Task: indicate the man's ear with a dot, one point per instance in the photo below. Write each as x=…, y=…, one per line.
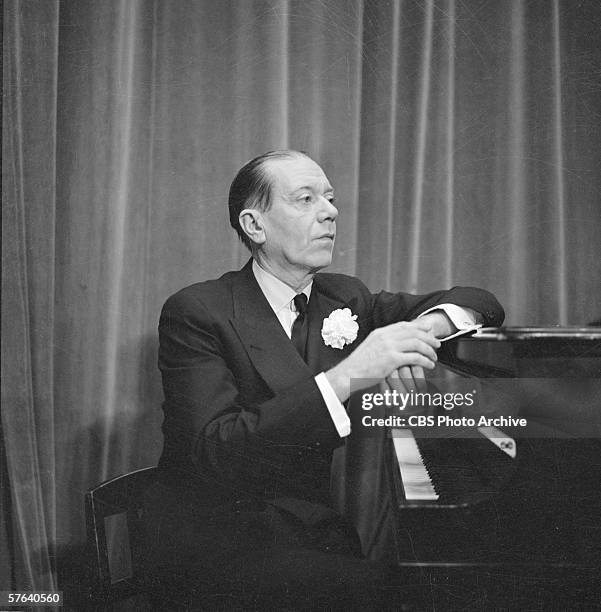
x=251, y=222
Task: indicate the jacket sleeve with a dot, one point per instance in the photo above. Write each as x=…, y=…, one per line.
x=387, y=308
x=218, y=422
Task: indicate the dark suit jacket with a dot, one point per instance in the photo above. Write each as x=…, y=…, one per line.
x=244, y=418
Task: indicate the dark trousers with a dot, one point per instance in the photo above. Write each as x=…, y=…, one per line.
x=254, y=556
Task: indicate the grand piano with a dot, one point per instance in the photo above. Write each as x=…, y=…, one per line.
x=507, y=517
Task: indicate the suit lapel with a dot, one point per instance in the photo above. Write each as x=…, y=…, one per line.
x=266, y=343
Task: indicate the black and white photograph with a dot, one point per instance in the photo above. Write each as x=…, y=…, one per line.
x=301, y=305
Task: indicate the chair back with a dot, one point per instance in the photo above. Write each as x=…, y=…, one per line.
x=115, y=533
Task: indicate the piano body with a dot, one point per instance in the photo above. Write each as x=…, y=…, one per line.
x=515, y=525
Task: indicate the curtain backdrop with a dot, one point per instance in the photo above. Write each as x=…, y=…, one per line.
x=463, y=138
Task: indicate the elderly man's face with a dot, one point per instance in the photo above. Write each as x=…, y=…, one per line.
x=300, y=226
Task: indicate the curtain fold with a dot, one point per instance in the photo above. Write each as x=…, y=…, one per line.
x=28, y=285
x=463, y=140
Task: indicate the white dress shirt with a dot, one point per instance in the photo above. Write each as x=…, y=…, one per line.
x=281, y=299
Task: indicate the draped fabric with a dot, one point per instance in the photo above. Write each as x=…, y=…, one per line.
x=30, y=416
x=463, y=138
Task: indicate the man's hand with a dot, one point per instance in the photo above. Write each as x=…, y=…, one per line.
x=440, y=324
x=406, y=344
x=407, y=378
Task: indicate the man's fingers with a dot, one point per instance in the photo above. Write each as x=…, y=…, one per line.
x=415, y=345
x=412, y=377
x=415, y=359
x=395, y=383
x=399, y=332
x=404, y=373
x=419, y=378
x=400, y=345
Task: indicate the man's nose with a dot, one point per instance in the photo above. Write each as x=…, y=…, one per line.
x=327, y=211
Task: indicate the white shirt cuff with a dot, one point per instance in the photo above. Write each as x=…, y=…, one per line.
x=337, y=412
x=464, y=319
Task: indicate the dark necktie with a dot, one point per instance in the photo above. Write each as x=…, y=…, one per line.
x=300, y=327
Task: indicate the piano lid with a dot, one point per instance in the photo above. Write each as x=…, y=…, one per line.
x=526, y=352
x=516, y=334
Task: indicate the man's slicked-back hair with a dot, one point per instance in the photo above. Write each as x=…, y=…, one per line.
x=252, y=186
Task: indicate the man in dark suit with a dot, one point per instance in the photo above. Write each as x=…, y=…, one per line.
x=255, y=385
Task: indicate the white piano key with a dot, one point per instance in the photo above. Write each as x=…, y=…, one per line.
x=415, y=477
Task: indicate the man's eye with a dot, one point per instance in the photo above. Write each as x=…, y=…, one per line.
x=331, y=199
x=307, y=199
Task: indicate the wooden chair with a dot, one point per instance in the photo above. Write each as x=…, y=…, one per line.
x=115, y=534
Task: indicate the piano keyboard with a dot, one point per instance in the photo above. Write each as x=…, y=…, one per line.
x=416, y=480
x=460, y=468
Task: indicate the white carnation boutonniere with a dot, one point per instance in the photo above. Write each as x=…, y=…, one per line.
x=339, y=328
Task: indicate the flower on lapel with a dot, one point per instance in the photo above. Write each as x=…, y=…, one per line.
x=339, y=328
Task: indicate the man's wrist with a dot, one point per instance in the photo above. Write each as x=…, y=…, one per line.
x=461, y=318
x=340, y=381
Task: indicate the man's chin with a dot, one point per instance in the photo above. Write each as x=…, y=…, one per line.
x=319, y=263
